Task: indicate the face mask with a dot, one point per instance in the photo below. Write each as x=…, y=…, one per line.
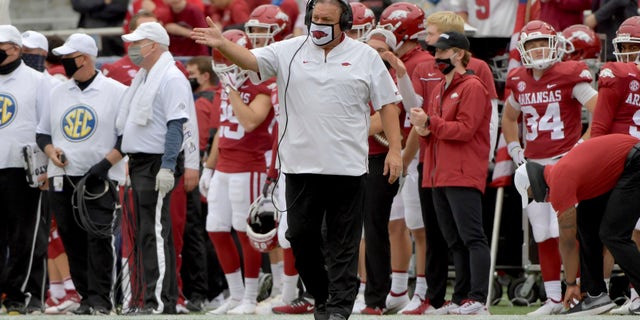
x=194, y=84
x=70, y=67
x=445, y=65
x=321, y=34
x=3, y=56
x=135, y=55
x=35, y=61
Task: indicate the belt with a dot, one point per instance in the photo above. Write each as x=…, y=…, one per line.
x=141, y=156
x=632, y=153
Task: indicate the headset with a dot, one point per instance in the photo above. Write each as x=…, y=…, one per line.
x=346, y=18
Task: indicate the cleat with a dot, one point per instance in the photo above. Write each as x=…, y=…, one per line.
x=471, y=307
x=298, y=306
x=396, y=302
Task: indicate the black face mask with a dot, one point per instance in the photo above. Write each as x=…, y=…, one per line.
x=194, y=84
x=431, y=49
x=70, y=67
x=3, y=56
x=35, y=61
x=444, y=65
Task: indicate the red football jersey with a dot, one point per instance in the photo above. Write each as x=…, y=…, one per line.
x=618, y=107
x=551, y=115
x=376, y=147
x=241, y=151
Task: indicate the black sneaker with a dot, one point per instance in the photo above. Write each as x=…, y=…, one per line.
x=102, y=311
x=195, y=305
x=591, y=305
x=15, y=309
x=83, y=309
x=337, y=316
x=320, y=311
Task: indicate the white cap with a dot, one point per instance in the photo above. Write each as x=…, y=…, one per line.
x=35, y=40
x=78, y=42
x=521, y=180
x=149, y=30
x=9, y=33
x=383, y=35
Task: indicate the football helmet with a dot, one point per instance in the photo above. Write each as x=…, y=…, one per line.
x=363, y=20
x=227, y=71
x=628, y=32
x=406, y=21
x=269, y=17
x=262, y=224
x=538, y=57
x=581, y=42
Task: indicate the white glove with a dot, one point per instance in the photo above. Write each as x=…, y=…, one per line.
x=516, y=153
x=235, y=80
x=164, y=181
x=205, y=181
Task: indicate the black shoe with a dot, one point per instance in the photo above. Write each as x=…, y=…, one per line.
x=337, y=316
x=144, y=311
x=102, y=311
x=169, y=309
x=15, y=309
x=195, y=305
x=320, y=311
x=83, y=309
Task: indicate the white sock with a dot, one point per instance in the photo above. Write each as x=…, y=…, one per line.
x=363, y=286
x=236, y=288
x=421, y=287
x=277, y=271
x=289, y=288
x=56, y=290
x=399, y=282
x=634, y=293
x=606, y=283
x=553, y=290
x=68, y=284
x=250, y=290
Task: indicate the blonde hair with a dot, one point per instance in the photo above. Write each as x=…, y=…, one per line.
x=466, y=56
x=446, y=21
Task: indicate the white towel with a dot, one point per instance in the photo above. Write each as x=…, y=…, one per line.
x=138, y=98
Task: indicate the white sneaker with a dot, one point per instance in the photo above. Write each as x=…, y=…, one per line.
x=229, y=304
x=246, y=307
x=626, y=307
x=471, y=307
x=181, y=309
x=395, y=302
x=549, y=307
x=214, y=303
x=413, y=304
x=446, y=308
x=359, y=304
x=265, y=306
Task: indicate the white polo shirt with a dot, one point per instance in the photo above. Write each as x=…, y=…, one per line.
x=23, y=96
x=83, y=124
x=326, y=103
x=170, y=103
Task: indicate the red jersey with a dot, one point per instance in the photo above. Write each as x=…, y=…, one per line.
x=591, y=169
x=236, y=13
x=376, y=147
x=136, y=6
x=123, y=70
x=208, y=117
x=618, y=107
x=190, y=17
x=241, y=151
x=552, y=115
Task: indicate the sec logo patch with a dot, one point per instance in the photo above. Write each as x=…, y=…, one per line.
x=7, y=109
x=79, y=123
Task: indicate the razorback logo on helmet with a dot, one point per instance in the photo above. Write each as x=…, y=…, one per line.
x=7, y=109
x=242, y=41
x=581, y=35
x=282, y=15
x=398, y=14
x=79, y=123
x=606, y=73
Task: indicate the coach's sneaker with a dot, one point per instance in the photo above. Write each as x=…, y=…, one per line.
x=626, y=307
x=471, y=307
x=359, y=304
x=548, y=308
x=69, y=303
x=445, y=309
x=246, y=307
x=297, y=306
x=396, y=301
x=229, y=304
x=591, y=305
x=417, y=306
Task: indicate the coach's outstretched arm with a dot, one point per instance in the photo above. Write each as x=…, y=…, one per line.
x=212, y=37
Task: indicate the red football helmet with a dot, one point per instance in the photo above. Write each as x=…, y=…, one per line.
x=628, y=32
x=406, y=21
x=269, y=17
x=581, y=42
x=538, y=57
x=262, y=224
x=223, y=67
x=363, y=20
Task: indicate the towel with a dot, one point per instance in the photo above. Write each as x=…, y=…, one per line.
x=138, y=98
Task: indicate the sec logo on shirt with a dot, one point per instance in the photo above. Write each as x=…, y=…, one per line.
x=79, y=123
x=7, y=109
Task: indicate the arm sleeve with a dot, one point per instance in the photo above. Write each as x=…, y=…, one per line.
x=409, y=97
x=583, y=92
x=172, y=143
x=43, y=140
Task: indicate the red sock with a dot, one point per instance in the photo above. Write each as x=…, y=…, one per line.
x=550, y=260
x=289, y=262
x=252, y=257
x=226, y=251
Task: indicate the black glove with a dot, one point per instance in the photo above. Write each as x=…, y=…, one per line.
x=101, y=169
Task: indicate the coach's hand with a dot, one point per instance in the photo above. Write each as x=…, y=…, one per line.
x=211, y=36
x=164, y=181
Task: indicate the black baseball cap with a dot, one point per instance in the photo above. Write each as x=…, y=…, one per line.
x=452, y=40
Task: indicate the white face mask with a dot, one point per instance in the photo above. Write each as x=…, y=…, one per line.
x=321, y=34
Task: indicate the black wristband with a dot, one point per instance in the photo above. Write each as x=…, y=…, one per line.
x=570, y=284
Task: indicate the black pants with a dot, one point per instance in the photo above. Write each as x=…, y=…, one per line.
x=153, y=238
x=589, y=219
x=37, y=283
x=327, y=268
x=194, y=265
x=437, y=258
x=18, y=216
x=459, y=211
x=91, y=257
x=377, y=209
